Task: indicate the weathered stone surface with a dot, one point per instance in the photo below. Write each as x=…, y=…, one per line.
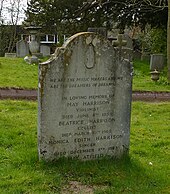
x=157, y=62
x=45, y=50
x=22, y=48
x=10, y=55
x=84, y=101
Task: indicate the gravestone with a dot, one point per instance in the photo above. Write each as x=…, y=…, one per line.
x=129, y=41
x=22, y=48
x=45, y=50
x=125, y=50
x=128, y=49
x=156, y=62
x=84, y=99
x=10, y=55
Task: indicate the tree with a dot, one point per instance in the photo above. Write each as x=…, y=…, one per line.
x=67, y=16
x=1, y=9
x=81, y=14
x=139, y=12
x=54, y=14
x=9, y=26
x=14, y=11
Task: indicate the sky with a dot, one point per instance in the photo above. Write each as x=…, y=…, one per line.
x=7, y=6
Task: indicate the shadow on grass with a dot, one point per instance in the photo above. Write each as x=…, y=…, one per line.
x=115, y=176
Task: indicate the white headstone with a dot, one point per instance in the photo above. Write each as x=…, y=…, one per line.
x=84, y=101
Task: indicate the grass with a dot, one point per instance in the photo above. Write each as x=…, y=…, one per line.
x=145, y=171
x=142, y=78
x=17, y=73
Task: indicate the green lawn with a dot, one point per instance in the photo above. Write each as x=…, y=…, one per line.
x=144, y=172
x=17, y=73
x=142, y=78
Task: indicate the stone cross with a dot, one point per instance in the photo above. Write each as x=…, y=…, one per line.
x=120, y=42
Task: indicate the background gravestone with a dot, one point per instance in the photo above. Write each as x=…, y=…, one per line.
x=128, y=49
x=22, y=48
x=156, y=62
x=84, y=100
x=45, y=50
x=129, y=41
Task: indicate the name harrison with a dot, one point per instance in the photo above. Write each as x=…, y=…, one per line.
x=108, y=137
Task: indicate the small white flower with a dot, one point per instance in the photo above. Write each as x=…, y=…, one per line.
x=150, y=163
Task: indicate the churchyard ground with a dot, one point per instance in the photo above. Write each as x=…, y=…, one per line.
x=144, y=171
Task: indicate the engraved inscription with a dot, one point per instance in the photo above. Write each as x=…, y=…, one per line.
x=80, y=95
x=88, y=114
x=83, y=82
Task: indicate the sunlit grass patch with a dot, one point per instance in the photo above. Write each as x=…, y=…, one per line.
x=17, y=73
x=142, y=78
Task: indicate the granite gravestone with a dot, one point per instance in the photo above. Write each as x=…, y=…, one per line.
x=157, y=62
x=84, y=100
x=22, y=48
x=45, y=50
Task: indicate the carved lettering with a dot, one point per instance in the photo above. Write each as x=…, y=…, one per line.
x=107, y=120
x=67, y=116
x=83, y=90
x=70, y=104
x=87, y=145
x=93, y=156
x=83, y=116
x=93, y=109
x=78, y=140
x=67, y=123
x=87, y=127
x=82, y=151
x=90, y=103
x=108, y=137
x=78, y=97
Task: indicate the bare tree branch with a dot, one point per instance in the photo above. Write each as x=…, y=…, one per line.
x=1, y=8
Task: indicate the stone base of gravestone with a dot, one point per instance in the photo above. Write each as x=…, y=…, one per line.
x=84, y=101
x=38, y=55
x=10, y=55
x=157, y=62
x=32, y=60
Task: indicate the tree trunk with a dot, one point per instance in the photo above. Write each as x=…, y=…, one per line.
x=168, y=41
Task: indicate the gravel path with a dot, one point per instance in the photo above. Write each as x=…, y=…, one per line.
x=19, y=94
